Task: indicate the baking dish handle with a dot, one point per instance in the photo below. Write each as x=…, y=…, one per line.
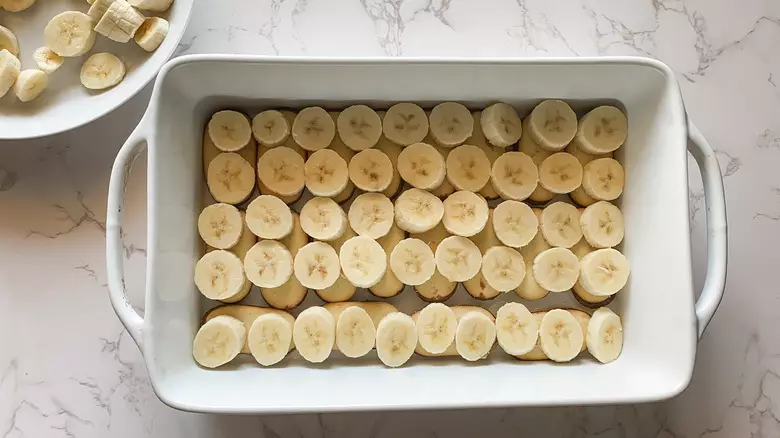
x=134, y=145
x=717, y=236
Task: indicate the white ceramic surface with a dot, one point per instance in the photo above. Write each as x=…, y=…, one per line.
x=66, y=104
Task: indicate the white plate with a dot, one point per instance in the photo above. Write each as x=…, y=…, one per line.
x=66, y=104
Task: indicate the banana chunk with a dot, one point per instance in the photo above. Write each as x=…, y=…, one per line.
x=602, y=225
x=514, y=175
x=560, y=224
x=603, y=179
x=8, y=41
x=465, y=213
x=326, y=173
x=359, y=127
x=503, y=268
x=46, y=60
x=313, y=128
x=323, y=219
x=475, y=336
x=269, y=339
x=363, y=261
x=605, y=335
x=552, y=124
x=396, y=339
x=422, y=166
x=501, y=125
x=515, y=223
x=269, y=218
x=417, y=211
x=355, y=332
x=220, y=225
x=604, y=272
x=412, y=262
x=316, y=265
x=98, y=8
x=219, y=275
x=270, y=128
x=517, y=329
x=10, y=67
x=120, y=22
x=151, y=33
x=30, y=84
x=560, y=173
x=560, y=335
x=371, y=214
x=371, y=170
x=405, y=124
x=436, y=326
x=281, y=169
x=152, y=5
x=314, y=334
x=69, y=34
x=602, y=130
x=458, y=258
x=450, y=124
x=556, y=269
x=218, y=341
x=468, y=168
x=268, y=264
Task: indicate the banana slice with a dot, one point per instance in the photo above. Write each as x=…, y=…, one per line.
x=537, y=353
x=281, y=169
x=556, y=269
x=269, y=339
x=268, y=264
x=363, y=261
x=120, y=22
x=501, y=125
x=270, y=128
x=603, y=179
x=313, y=128
x=560, y=335
x=460, y=312
x=422, y=166
x=355, y=332
x=269, y=218
x=323, y=219
x=552, y=124
x=560, y=173
x=514, y=223
x=30, y=84
x=10, y=67
x=417, y=211
x=247, y=315
x=16, y=5
x=516, y=329
x=503, y=268
x=436, y=325
x=389, y=285
x=475, y=336
x=316, y=265
x=151, y=5
x=605, y=335
x=219, y=275
x=371, y=214
x=529, y=289
x=458, y=258
x=229, y=130
x=602, y=225
x=514, y=175
x=371, y=170
x=396, y=339
x=314, y=334
x=230, y=178
x=393, y=151
x=465, y=213
x=602, y=130
x=405, y=124
x=450, y=124
x=69, y=34
x=560, y=224
x=264, y=190
x=101, y=71
x=325, y=173
x=46, y=60
x=527, y=146
x=218, y=341
x=468, y=168
x=220, y=225
x=412, y=262
x=359, y=127
x=604, y=272
x=9, y=42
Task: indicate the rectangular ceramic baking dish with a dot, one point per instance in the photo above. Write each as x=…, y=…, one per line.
x=661, y=317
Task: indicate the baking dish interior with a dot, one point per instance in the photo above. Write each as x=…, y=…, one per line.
x=656, y=305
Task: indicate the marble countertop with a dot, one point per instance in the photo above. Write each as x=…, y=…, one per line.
x=68, y=369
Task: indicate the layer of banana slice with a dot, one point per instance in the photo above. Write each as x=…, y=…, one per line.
x=560, y=173
x=458, y=258
x=151, y=33
x=230, y=178
x=269, y=218
x=363, y=261
x=514, y=175
x=270, y=128
x=450, y=124
x=292, y=293
x=475, y=336
x=422, y=166
x=120, y=22
x=517, y=329
x=465, y=213
x=393, y=151
x=69, y=34
x=405, y=124
x=602, y=225
x=417, y=211
x=560, y=335
x=355, y=332
x=552, y=124
x=281, y=169
x=412, y=262
x=560, y=224
x=46, y=60
x=603, y=179
x=503, y=268
x=218, y=341
x=316, y=265
x=247, y=315
x=325, y=173
x=314, y=334
x=460, y=312
x=313, y=128
x=515, y=223
x=501, y=124
x=219, y=275
x=359, y=127
x=30, y=84
x=323, y=219
x=371, y=214
x=602, y=130
x=268, y=264
x=604, y=272
x=436, y=326
x=8, y=41
x=269, y=339
x=468, y=168
x=371, y=170
x=342, y=289
x=605, y=335
x=556, y=269
x=437, y=288
x=529, y=288
x=10, y=67
x=537, y=354
x=526, y=145
x=389, y=285
x=396, y=339
x=220, y=225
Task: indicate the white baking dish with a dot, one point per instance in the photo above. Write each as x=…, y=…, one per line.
x=662, y=322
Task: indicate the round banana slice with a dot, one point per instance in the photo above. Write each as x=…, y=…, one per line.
x=556, y=269
x=355, y=332
x=602, y=130
x=269, y=218
x=230, y=178
x=412, y=262
x=363, y=261
x=10, y=67
x=437, y=289
x=458, y=258
x=323, y=219
x=371, y=170
x=602, y=225
x=405, y=123
x=603, y=179
x=436, y=325
x=229, y=130
x=465, y=213
x=371, y=214
x=503, y=268
x=389, y=285
x=501, y=125
x=316, y=265
x=69, y=34
x=270, y=128
x=314, y=334
x=468, y=168
x=220, y=225
x=101, y=71
x=560, y=173
x=219, y=275
x=475, y=336
x=605, y=335
x=359, y=127
x=269, y=339
x=393, y=151
x=560, y=335
x=264, y=190
x=417, y=211
x=218, y=341
x=514, y=175
x=313, y=128
x=604, y=272
x=268, y=264
x=281, y=169
x=515, y=223
x=560, y=224
x=450, y=124
x=396, y=339
x=325, y=173
x=46, y=60
x=517, y=329
x=30, y=84
x=422, y=166
x=552, y=124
